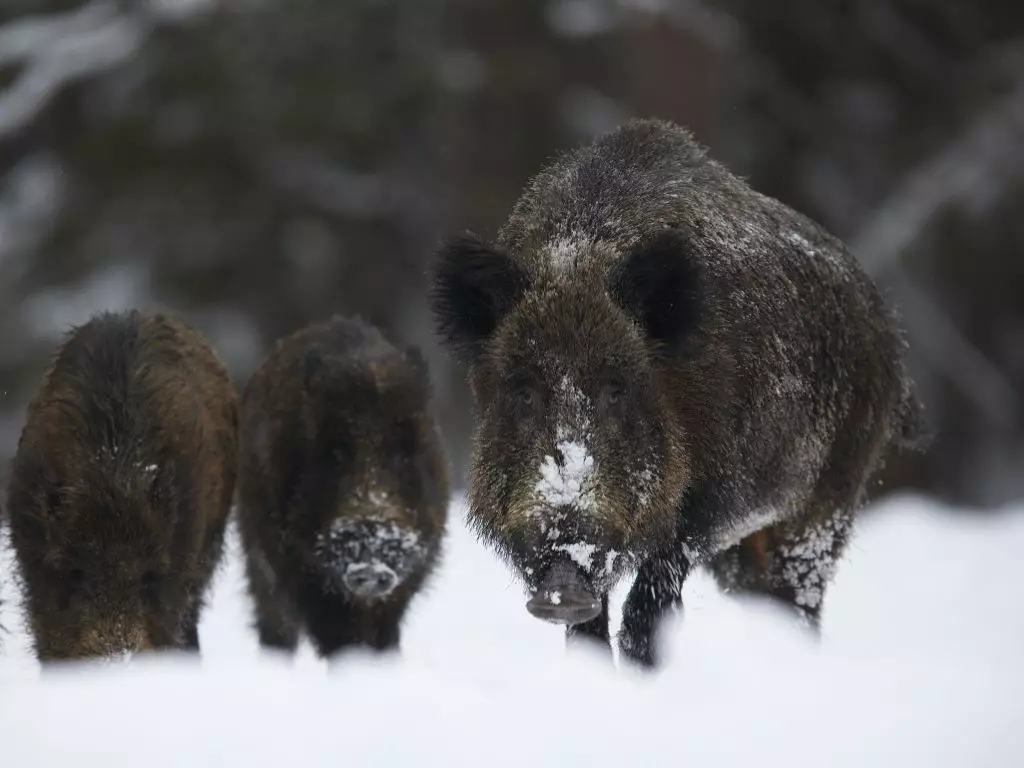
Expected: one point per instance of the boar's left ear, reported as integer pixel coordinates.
(659, 285)
(474, 286)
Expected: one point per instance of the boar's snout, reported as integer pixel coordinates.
(564, 596)
(370, 556)
(370, 580)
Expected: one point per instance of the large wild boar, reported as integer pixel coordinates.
(121, 488)
(343, 487)
(669, 370)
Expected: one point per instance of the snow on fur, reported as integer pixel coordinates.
(564, 481)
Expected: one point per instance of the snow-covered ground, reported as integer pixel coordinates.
(921, 664)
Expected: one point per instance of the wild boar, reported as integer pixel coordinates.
(121, 487)
(669, 370)
(343, 487)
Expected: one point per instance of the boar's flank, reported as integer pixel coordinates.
(343, 487)
(668, 370)
(121, 488)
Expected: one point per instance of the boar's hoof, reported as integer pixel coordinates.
(373, 580)
(564, 598)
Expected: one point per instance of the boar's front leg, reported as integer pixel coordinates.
(655, 595)
(192, 625)
(276, 627)
(593, 633)
(334, 623)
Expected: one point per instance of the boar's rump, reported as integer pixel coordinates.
(121, 487)
(668, 370)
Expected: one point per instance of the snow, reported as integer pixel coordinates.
(567, 483)
(811, 561)
(581, 553)
(390, 541)
(920, 664)
(609, 561)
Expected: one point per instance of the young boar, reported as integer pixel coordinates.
(121, 488)
(344, 486)
(669, 370)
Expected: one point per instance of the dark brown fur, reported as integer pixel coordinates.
(338, 431)
(672, 370)
(121, 487)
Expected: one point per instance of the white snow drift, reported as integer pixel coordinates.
(921, 664)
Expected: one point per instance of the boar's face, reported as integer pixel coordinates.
(577, 458)
(106, 588)
(375, 484)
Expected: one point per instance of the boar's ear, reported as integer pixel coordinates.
(658, 283)
(474, 286)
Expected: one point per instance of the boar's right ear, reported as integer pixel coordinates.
(659, 285)
(474, 286)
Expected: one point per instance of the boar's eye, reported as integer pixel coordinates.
(528, 398)
(526, 401)
(612, 396)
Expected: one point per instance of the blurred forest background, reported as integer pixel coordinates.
(260, 164)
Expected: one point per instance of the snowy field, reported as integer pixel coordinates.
(921, 664)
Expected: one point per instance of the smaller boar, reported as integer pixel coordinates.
(121, 488)
(343, 487)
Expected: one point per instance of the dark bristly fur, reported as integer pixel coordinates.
(669, 370)
(337, 430)
(121, 487)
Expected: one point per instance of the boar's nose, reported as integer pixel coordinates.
(564, 597)
(370, 580)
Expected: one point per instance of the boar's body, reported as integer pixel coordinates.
(669, 370)
(344, 487)
(121, 487)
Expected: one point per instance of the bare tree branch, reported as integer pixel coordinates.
(986, 153)
(59, 49)
(969, 166)
(953, 355)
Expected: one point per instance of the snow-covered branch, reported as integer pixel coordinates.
(938, 339)
(974, 166)
(968, 166)
(58, 49)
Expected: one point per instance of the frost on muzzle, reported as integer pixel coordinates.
(573, 558)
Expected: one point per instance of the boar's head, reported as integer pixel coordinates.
(374, 491)
(579, 457)
(103, 583)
